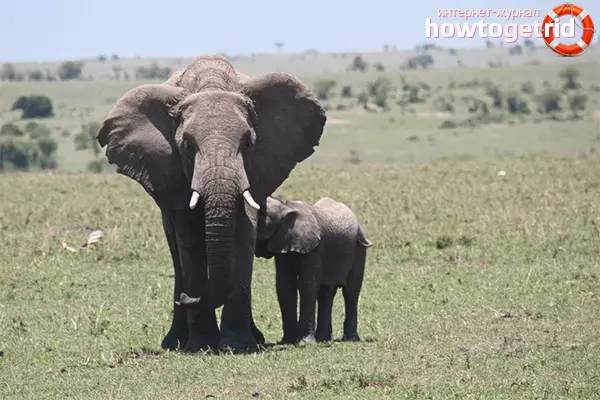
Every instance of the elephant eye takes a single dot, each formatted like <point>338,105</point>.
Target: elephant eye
<point>247,140</point>
<point>187,145</point>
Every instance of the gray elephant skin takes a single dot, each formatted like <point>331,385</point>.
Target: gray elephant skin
<point>317,249</point>
<point>209,145</point>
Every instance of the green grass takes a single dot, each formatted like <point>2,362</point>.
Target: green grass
<point>509,309</point>
<point>478,285</point>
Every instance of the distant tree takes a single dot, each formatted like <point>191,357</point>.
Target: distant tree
<point>279,45</point>
<point>386,48</point>
<point>420,60</point>
<point>35,75</point>
<point>570,74</point>
<point>515,50</point>
<point>358,64</point>
<point>379,67</point>
<point>577,102</point>
<point>516,104</point>
<point>323,88</point>
<point>347,91</point>
<point>114,57</point>
<point>36,130</point>
<point>10,129</point>
<point>452,52</point>
<point>154,71</point>
<point>34,106</point>
<point>9,73</point>
<point>550,101</point>
<point>529,44</point>
<point>489,44</point>
<point>101,58</point>
<point>86,139</point>
<point>380,90</point>
<point>70,70</point>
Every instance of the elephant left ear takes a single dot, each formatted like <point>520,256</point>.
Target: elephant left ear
<point>289,124</point>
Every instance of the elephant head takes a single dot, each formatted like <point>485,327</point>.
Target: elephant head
<point>214,137</point>
<point>287,226</point>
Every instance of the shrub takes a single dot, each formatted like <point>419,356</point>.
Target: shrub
<point>37,131</point>
<point>96,165</point>
<point>86,139</point>
<point>550,101</point>
<point>323,88</point>
<point>154,71</point>
<point>496,94</point>
<point>527,87</point>
<point>380,90</point>
<point>577,102</point>
<point>363,98</point>
<point>34,106</point>
<point>570,75</point>
<point>420,60</point>
<point>516,104</point>
<point>8,72</point>
<point>444,103</point>
<point>358,64</point>
<point>448,124</point>
<point>379,67</point>
<point>516,50</point>
<point>347,91</point>
<point>10,129</point>
<point>36,75</point>
<point>70,70</point>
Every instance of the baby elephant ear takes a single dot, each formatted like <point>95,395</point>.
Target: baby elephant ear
<point>139,138</point>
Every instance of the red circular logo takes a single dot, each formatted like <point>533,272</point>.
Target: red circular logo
<point>587,35</point>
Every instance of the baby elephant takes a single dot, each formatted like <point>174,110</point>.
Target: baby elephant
<point>317,249</point>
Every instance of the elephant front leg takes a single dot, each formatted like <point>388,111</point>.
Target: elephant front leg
<point>308,284</point>
<point>238,332</point>
<point>201,322</point>
<point>177,335</point>
<point>286,283</point>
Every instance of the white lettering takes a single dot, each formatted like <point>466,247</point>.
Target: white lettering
<point>429,26</point>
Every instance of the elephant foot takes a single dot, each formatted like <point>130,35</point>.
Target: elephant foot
<point>258,336</point>
<point>288,340</point>
<point>174,340</point>
<point>239,342</point>
<point>307,340</point>
<point>202,342</point>
<point>353,337</point>
<point>323,337</point>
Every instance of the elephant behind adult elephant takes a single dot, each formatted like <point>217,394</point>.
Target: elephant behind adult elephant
<point>209,145</point>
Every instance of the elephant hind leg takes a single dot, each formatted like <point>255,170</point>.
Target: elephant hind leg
<point>351,293</point>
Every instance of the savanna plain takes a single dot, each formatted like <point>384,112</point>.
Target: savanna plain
<point>477,182</point>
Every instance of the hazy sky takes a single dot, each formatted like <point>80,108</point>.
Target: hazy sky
<point>44,30</point>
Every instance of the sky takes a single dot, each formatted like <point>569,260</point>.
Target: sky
<point>52,30</point>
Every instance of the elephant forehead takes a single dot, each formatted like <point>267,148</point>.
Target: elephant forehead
<point>215,103</point>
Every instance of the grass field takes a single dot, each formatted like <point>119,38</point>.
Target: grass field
<point>479,285</point>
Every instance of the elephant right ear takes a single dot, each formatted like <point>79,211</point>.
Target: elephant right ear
<point>139,138</point>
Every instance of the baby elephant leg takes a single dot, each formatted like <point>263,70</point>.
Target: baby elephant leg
<point>351,293</point>
<point>308,286</point>
<point>324,306</point>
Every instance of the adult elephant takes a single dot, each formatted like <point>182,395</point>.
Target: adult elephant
<point>209,145</point>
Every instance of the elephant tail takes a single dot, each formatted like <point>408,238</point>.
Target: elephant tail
<point>361,238</point>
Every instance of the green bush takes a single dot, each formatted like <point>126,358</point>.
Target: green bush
<point>10,129</point>
<point>577,102</point>
<point>358,64</point>
<point>380,91</point>
<point>323,88</point>
<point>550,101</point>
<point>570,74</point>
<point>37,131</point>
<point>515,104</point>
<point>86,139</point>
<point>154,71</point>
<point>70,70</point>
<point>347,91</point>
<point>34,106</point>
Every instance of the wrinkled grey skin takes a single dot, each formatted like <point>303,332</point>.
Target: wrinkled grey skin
<point>212,131</point>
<point>317,249</point>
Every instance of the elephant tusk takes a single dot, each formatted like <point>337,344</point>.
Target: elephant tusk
<point>194,200</point>
<point>250,200</point>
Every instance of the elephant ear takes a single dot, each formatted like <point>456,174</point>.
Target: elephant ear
<point>299,232</point>
<point>139,138</point>
<point>289,124</point>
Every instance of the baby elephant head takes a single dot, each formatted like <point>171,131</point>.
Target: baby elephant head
<point>287,226</point>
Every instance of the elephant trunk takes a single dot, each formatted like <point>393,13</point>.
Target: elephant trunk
<point>221,191</point>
